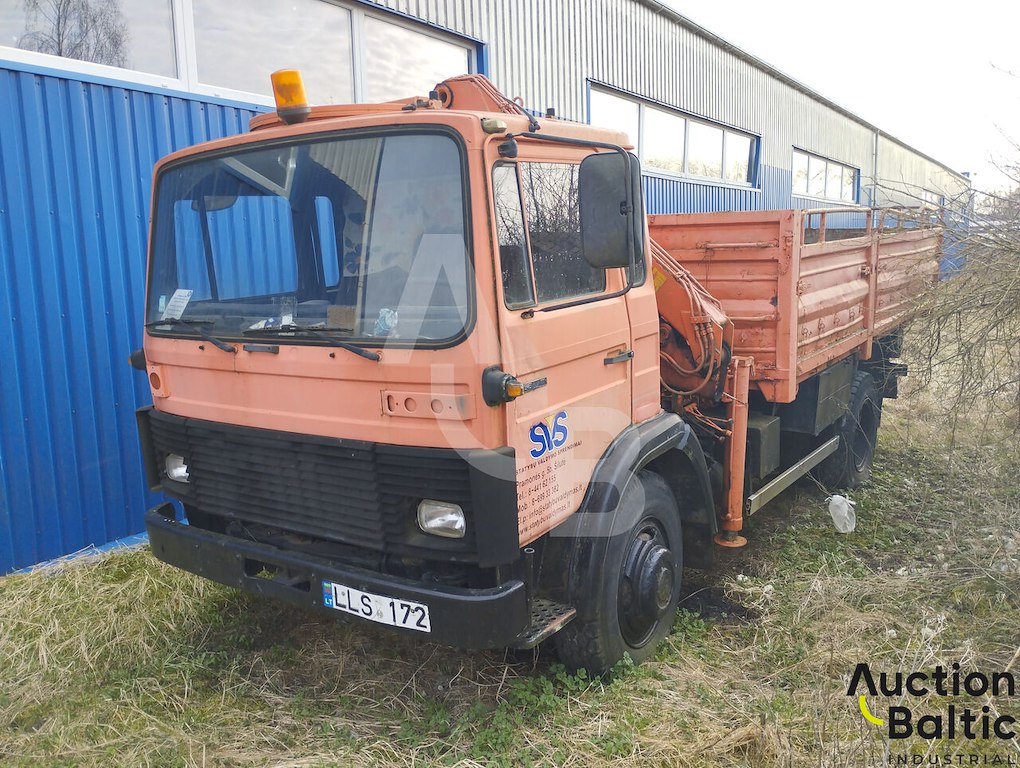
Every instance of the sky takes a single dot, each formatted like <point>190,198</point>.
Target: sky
<point>941,77</point>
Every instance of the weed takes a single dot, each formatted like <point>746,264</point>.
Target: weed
<point>120,660</point>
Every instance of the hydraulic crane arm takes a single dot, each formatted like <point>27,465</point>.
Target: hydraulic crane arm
<point>695,335</point>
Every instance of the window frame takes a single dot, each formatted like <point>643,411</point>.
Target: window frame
<point>525,231</point>
<point>827,163</point>
<point>754,167</point>
<point>184,43</point>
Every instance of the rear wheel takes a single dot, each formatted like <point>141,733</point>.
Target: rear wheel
<point>850,465</point>
<point>631,600</point>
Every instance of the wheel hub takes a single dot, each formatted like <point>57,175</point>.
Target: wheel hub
<point>646,585</point>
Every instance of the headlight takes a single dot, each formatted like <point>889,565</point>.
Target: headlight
<point>176,469</point>
<point>440,518</point>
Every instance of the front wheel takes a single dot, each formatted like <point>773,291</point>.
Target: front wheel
<point>631,601</point>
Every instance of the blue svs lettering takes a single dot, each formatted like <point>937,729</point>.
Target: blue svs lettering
<point>548,434</point>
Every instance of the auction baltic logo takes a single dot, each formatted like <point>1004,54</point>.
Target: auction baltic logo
<point>957,721</point>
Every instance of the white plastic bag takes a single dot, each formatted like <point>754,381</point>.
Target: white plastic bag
<point>842,511</point>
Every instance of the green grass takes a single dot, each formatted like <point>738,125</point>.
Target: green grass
<point>119,660</point>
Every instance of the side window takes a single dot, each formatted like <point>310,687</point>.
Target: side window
<point>554,229</point>
<point>515,266</point>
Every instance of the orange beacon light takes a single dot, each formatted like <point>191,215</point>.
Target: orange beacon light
<point>289,92</point>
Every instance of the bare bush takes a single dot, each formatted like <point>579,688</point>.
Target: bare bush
<point>964,341</point>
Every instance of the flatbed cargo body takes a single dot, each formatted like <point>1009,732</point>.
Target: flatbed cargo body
<point>798,306</point>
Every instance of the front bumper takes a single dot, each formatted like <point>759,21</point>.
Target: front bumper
<point>461,617</point>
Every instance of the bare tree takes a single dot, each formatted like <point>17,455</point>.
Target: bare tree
<point>87,30</point>
<point>966,334</point>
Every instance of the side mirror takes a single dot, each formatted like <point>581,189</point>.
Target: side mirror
<point>137,359</point>
<point>609,194</point>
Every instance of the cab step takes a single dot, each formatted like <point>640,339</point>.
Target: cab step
<point>547,618</point>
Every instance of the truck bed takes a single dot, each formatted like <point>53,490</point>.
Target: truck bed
<point>799,300</point>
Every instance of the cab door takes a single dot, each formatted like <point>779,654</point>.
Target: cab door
<point>563,335</point>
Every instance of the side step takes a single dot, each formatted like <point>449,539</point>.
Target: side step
<point>547,618</point>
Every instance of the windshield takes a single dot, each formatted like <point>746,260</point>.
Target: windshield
<point>363,238</point>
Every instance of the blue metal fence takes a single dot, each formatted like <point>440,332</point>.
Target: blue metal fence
<point>76,159</point>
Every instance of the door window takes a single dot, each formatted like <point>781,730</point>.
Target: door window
<point>554,262</point>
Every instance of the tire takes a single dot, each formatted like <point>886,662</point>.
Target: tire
<point>850,466</point>
<point>631,600</point>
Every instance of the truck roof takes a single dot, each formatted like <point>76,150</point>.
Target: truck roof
<point>471,91</point>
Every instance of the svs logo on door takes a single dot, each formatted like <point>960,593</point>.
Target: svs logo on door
<point>549,433</point>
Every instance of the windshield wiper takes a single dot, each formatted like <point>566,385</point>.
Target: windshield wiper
<point>195,327</point>
<point>290,328</point>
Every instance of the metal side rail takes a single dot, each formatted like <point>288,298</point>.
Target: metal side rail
<point>778,484</point>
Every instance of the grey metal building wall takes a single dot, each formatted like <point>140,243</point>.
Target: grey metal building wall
<point>547,52</point>
<point>904,176</point>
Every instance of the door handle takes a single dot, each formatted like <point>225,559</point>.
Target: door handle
<point>621,357</point>
<point>536,384</point>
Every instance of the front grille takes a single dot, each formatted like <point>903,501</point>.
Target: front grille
<point>355,492</point>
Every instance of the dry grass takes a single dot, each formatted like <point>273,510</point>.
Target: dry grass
<point>119,660</point>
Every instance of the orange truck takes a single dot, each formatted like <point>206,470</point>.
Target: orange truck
<point>420,364</point>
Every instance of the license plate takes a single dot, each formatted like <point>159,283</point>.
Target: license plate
<point>378,608</point>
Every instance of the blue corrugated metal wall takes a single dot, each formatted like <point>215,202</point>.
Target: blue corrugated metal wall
<point>76,160</point>
<point>666,195</point>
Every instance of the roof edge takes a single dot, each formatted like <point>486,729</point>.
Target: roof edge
<point>740,53</point>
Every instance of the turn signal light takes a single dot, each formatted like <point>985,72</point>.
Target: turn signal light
<point>289,92</point>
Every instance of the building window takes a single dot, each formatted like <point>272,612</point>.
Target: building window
<point>237,46</point>
<point>612,111</point>
<point>403,62</point>
<point>345,51</point>
<point>669,142</point>
<point>739,157</point>
<point>815,176</point>
<point>661,148</point>
<point>134,34</point>
<point>704,150</point>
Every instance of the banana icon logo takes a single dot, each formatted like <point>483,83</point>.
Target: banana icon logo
<point>867,713</point>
